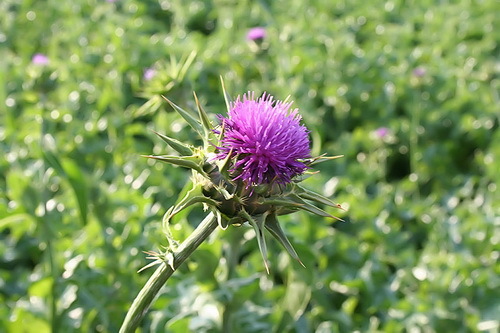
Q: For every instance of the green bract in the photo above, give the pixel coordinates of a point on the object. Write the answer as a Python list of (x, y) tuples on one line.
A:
[(232, 201)]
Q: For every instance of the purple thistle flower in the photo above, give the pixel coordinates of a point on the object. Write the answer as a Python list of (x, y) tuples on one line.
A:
[(381, 132), (256, 33), (40, 59), (149, 73), (419, 71), (266, 140)]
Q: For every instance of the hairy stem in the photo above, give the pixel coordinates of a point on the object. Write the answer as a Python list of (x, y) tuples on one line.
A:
[(148, 293)]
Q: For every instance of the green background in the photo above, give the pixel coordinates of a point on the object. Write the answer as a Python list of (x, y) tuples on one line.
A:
[(420, 247)]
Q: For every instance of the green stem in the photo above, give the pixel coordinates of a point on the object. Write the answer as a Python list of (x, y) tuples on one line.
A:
[(414, 128), (146, 296), (47, 233), (233, 252), (54, 320)]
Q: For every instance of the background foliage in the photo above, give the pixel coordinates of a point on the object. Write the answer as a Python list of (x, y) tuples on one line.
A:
[(408, 91)]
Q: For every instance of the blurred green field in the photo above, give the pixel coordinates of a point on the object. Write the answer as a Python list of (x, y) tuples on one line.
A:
[(408, 91)]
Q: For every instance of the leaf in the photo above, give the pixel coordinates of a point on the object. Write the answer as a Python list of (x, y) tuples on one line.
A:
[(311, 208), (310, 195), (192, 121), (52, 160), (322, 158), (227, 98), (21, 221), (69, 170), (192, 197), (194, 200), (79, 185), (186, 63), (272, 224), (297, 298), (258, 225), (178, 146), (207, 126), (170, 260), (172, 243), (223, 191), (157, 257), (226, 163), (151, 106), (222, 221), (191, 162)]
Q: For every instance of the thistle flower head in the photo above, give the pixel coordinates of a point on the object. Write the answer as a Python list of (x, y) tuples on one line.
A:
[(40, 59), (257, 33), (149, 74), (260, 143), (381, 132), (265, 140)]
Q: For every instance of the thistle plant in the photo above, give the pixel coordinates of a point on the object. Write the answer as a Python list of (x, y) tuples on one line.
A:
[(247, 171)]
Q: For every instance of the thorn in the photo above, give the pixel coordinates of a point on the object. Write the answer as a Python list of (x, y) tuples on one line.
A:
[(333, 157), (267, 266), (337, 218), (340, 207)]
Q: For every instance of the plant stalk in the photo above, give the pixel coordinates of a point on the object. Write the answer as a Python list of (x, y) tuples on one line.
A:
[(233, 253), (148, 293)]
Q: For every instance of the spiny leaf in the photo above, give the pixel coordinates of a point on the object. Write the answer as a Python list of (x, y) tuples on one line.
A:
[(178, 146), (150, 107), (281, 202), (293, 201), (170, 260), (311, 208), (258, 226), (191, 162), (192, 121), (236, 221), (274, 228), (224, 192), (172, 243), (322, 158), (226, 163), (192, 197), (207, 126), (227, 97), (69, 169), (223, 222), (157, 257), (151, 264), (194, 200), (185, 66), (310, 195)]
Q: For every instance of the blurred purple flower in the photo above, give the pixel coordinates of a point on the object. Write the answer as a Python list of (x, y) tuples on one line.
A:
[(110, 0), (382, 132), (419, 71), (266, 140), (149, 74), (40, 59), (256, 33)]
